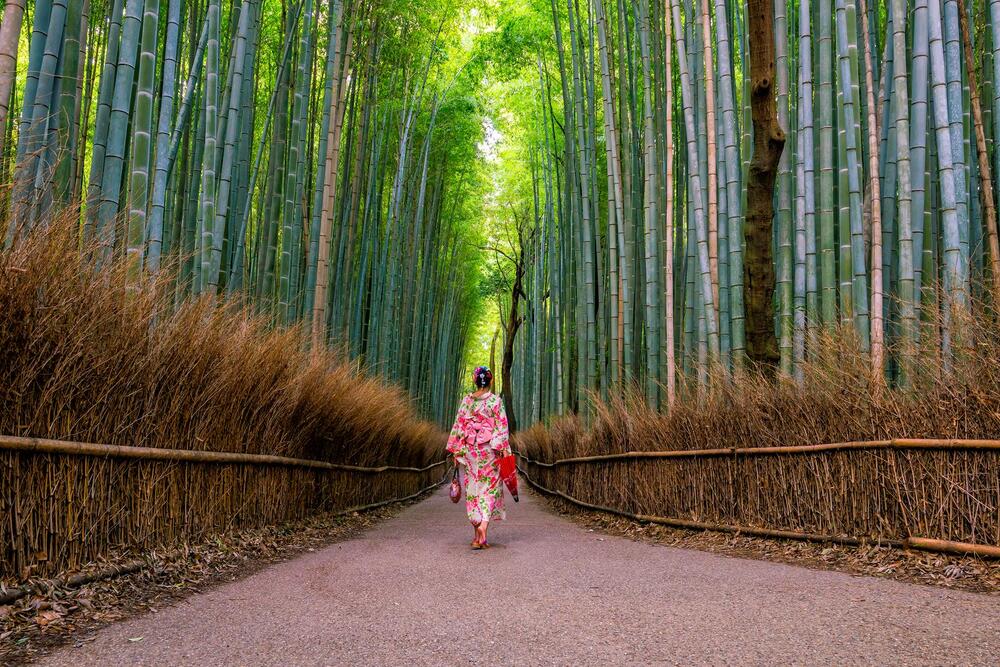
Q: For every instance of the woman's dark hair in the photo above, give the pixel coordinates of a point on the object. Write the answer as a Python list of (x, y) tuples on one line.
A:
[(482, 377)]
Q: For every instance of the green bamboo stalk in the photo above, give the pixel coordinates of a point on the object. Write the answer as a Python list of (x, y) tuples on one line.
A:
[(10, 34), (207, 282), (164, 159), (142, 133), (783, 218), (102, 123), (225, 180), (859, 283), (70, 62), (118, 132), (652, 259), (700, 223), (805, 210), (955, 273), (825, 213), (34, 124)]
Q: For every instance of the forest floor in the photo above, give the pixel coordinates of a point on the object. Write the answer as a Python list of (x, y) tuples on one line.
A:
[(40, 624), (409, 590)]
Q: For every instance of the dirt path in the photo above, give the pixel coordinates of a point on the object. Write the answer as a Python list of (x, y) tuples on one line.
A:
[(550, 593)]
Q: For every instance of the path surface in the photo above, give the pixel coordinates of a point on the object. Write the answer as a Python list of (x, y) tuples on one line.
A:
[(550, 593)]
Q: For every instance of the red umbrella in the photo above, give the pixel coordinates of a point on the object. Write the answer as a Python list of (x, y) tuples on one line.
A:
[(508, 472)]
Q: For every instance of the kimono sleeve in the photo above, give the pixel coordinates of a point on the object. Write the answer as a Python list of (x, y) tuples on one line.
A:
[(456, 441), (500, 443)]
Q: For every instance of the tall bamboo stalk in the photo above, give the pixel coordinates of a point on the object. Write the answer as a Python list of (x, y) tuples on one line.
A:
[(10, 33)]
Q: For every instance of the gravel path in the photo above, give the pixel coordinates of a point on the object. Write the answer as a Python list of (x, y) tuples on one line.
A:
[(411, 591)]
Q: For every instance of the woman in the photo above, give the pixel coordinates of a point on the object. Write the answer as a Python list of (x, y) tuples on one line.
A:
[(478, 441)]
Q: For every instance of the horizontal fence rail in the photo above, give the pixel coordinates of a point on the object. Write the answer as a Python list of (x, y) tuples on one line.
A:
[(898, 443), (65, 504), (43, 446), (934, 494)]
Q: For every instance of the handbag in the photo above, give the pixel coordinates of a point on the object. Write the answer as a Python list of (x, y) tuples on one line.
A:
[(455, 490)]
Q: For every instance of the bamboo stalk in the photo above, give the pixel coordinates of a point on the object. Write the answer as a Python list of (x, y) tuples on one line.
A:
[(10, 33), (986, 185)]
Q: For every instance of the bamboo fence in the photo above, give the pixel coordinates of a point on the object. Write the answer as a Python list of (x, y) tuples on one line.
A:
[(64, 504), (942, 495)]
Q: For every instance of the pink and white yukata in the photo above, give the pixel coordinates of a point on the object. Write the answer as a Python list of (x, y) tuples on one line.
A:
[(479, 439)]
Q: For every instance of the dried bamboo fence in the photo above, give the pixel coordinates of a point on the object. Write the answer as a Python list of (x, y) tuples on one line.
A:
[(64, 504), (942, 495)]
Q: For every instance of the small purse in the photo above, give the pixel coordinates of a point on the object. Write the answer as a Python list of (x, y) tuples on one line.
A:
[(455, 491)]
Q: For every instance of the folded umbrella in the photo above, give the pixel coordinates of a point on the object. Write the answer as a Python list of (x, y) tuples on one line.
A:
[(508, 472)]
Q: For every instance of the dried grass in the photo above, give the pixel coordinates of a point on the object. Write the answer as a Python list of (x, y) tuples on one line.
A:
[(85, 358), (887, 494)]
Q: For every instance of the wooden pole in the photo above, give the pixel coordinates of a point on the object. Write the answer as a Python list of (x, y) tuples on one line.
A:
[(899, 443), (43, 446)]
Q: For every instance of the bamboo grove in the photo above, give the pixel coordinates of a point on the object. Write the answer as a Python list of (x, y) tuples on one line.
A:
[(636, 127), (312, 159), (326, 164)]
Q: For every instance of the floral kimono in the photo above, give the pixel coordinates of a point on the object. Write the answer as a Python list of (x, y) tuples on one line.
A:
[(479, 440)]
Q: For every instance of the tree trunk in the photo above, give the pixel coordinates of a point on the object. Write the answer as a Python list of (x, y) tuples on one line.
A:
[(513, 324), (769, 141)]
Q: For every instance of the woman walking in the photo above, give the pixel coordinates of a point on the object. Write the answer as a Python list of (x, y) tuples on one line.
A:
[(478, 441)]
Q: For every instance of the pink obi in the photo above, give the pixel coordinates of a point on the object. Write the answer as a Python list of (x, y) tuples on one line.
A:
[(478, 435)]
